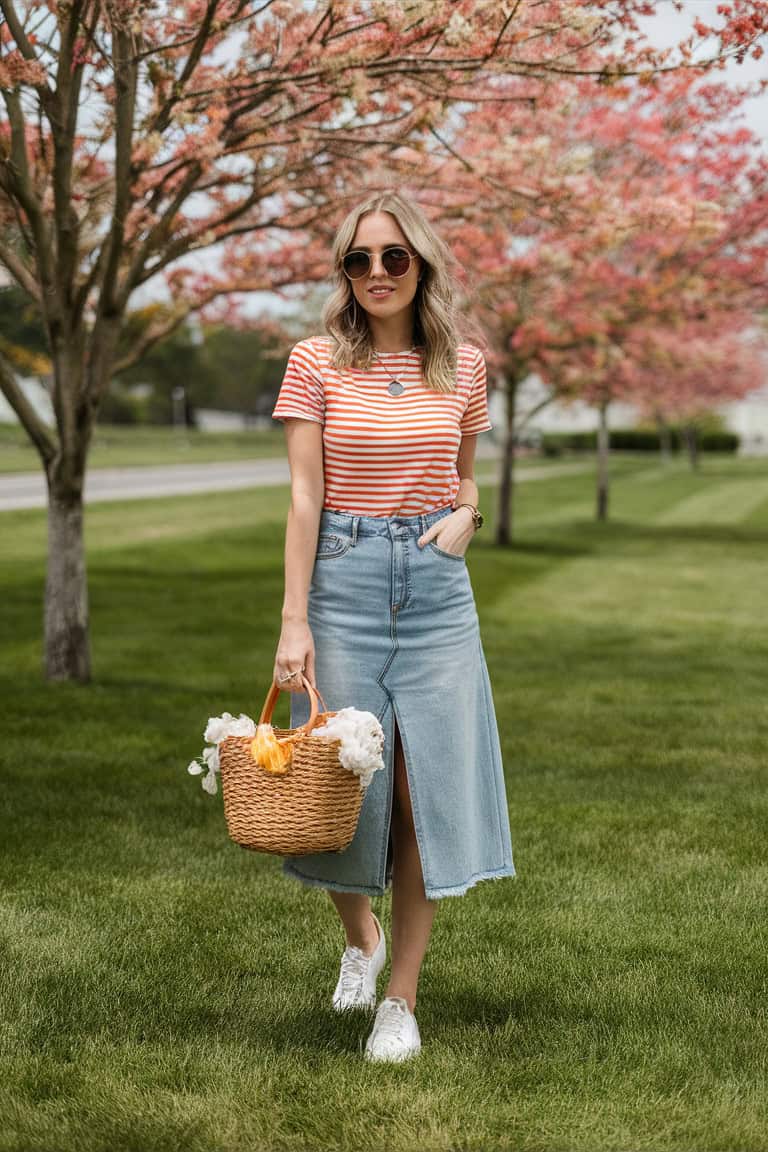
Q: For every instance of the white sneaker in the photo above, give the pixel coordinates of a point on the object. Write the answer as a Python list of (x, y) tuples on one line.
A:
[(357, 980), (395, 1034)]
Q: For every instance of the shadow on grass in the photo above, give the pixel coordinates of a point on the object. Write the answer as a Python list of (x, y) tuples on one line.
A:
[(557, 549), (697, 533), (445, 1006)]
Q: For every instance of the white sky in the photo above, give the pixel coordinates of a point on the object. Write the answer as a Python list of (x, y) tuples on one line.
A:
[(668, 27)]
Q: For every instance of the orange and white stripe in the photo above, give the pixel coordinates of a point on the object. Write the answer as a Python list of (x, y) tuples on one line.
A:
[(385, 455)]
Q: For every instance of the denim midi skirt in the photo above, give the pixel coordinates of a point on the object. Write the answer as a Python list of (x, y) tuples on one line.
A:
[(396, 633)]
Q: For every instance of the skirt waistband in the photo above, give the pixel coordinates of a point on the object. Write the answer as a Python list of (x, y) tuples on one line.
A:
[(351, 525)]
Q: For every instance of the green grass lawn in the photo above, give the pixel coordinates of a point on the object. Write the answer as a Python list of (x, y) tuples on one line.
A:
[(164, 990), (116, 446)]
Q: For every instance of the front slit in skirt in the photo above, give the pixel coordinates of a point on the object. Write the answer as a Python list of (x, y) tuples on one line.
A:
[(396, 633)]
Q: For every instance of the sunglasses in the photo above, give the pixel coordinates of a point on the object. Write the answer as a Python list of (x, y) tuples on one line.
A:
[(396, 262)]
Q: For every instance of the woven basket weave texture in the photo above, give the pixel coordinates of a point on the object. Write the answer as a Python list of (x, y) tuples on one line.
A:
[(314, 807)]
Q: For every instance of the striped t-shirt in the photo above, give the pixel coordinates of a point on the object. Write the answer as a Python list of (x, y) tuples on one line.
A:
[(385, 455)]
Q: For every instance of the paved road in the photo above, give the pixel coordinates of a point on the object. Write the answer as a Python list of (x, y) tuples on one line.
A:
[(27, 489)]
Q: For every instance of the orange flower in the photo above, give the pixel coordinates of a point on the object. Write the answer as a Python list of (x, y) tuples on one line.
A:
[(270, 753)]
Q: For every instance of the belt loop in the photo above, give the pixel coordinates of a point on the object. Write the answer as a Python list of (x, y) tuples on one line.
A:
[(355, 522), (423, 523)]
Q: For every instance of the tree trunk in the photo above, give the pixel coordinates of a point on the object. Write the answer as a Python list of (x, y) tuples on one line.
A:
[(692, 444), (603, 445), (505, 522), (67, 646), (665, 439), (66, 630)]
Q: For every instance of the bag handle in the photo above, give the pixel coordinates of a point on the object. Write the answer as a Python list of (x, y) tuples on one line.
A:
[(314, 697)]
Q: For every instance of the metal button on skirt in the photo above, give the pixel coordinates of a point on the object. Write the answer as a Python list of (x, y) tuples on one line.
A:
[(396, 633)]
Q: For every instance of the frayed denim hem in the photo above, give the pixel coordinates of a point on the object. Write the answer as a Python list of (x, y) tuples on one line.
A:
[(460, 889), (365, 890), (314, 882)]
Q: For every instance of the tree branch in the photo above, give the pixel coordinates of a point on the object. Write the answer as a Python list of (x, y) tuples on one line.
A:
[(16, 28), (125, 82), (520, 424), (38, 432), (161, 229), (63, 127), (153, 335), (162, 119), (20, 272), (19, 185)]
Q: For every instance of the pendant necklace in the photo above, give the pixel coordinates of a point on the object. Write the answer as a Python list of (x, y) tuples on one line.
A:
[(395, 388)]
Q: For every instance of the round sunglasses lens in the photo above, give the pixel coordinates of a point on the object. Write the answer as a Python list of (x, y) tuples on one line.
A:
[(356, 264), (396, 261)]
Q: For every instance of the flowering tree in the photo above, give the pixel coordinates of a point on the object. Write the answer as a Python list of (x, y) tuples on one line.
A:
[(604, 226), (688, 258), (138, 134)]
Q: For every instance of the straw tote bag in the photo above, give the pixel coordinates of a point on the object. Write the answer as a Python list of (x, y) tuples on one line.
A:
[(313, 805)]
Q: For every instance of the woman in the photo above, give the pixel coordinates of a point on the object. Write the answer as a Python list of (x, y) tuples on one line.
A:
[(381, 419)]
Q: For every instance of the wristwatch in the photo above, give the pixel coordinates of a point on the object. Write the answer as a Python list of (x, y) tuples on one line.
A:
[(477, 516)]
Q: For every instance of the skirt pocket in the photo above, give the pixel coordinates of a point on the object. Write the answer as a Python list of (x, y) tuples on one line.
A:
[(330, 545), (448, 555)]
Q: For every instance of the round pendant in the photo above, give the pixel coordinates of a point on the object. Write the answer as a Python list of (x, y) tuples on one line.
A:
[(395, 388)]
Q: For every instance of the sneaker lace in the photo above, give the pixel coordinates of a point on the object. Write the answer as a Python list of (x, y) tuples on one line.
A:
[(389, 1020), (354, 965)]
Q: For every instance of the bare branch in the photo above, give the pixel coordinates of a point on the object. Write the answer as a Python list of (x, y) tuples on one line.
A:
[(38, 432), (153, 335), (529, 415), (126, 76), (20, 272), (63, 127)]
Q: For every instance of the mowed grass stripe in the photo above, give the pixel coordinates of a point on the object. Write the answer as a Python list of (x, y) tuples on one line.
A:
[(719, 503)]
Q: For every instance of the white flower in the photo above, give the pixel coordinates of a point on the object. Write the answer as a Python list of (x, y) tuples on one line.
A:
[(211, 757), (219, 727), (362, 741), (209, 783)]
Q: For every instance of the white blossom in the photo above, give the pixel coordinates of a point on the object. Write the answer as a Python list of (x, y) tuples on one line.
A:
[(211, 757), (209, 784), (219, 727), (362, 741)]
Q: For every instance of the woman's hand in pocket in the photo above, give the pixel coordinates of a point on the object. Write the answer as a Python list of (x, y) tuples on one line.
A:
[(295, 650), (451, 533)]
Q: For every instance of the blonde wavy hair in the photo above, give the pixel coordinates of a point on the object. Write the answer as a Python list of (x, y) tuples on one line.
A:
[(437, 324)]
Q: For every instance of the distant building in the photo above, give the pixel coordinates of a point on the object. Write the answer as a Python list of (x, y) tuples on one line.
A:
[(749, 420), (219, 420)]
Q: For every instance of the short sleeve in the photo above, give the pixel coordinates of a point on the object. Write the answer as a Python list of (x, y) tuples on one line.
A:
[(475, 418), (301, 392)]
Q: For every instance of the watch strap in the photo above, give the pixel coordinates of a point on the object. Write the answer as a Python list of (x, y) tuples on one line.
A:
[(477, 516)]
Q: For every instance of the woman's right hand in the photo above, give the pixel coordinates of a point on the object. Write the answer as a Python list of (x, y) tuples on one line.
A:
[(295, 650)]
